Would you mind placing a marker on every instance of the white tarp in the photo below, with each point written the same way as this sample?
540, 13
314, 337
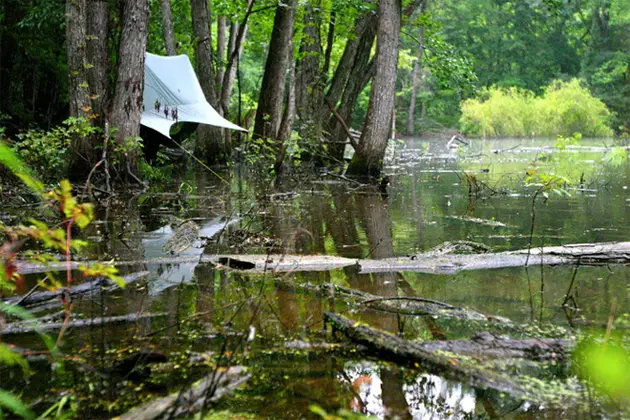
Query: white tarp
171, 82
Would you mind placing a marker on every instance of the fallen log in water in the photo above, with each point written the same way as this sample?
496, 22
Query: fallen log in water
587, 254
414, 354
186, 402
89, 287
42, 324
488, 345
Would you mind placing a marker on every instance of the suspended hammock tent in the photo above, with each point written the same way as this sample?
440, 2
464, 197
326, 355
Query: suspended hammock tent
174, 103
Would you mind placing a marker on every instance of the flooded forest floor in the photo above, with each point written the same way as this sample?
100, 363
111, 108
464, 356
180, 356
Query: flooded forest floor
340, 339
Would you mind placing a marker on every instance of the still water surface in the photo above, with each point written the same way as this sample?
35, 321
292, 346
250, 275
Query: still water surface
427, 202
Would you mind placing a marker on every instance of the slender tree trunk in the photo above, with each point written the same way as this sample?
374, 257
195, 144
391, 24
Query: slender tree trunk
210, 146
269, 113
127, 104
342, 72
415, 79
235, 49
167, 27
368, 159
361, 72
415, 85
284, 132
237, 35
330, 40
221, 49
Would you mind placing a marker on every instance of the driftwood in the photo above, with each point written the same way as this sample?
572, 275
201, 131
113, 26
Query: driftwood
195, 398
42, 324
411, 353
488, 345
586, 254
90, 287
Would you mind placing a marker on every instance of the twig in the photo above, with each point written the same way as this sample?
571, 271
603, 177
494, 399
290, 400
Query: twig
411, 298
343, 124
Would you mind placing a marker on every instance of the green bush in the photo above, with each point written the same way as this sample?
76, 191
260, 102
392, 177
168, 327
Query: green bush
564, 108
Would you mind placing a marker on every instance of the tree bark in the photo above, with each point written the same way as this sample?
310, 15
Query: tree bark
76, 42
309, 89
83, 154
98, 56
269, 112
167, 27
361, 72
284, 132
127, 104
342, 72
210, 146
238, 32
330, 40
368, 159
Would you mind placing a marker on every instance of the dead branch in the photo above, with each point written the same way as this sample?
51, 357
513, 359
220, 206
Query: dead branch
41, 324
192, 399
97, 285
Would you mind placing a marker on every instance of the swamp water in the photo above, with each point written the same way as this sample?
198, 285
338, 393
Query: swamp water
202, 317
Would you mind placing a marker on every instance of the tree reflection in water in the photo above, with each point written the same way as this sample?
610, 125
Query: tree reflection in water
427, 397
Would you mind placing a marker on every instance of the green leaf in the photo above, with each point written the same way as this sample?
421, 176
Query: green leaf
12, 403
9, 159
12, 358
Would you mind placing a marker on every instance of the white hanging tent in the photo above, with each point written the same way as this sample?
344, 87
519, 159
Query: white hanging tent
171, 82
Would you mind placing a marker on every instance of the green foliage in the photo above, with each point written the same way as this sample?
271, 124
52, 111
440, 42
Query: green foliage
47, 151
605, 365
564, 108
499, 112
71, 213
562, 142
14, 405
617, 156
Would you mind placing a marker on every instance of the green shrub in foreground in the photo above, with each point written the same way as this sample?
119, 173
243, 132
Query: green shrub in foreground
564, 108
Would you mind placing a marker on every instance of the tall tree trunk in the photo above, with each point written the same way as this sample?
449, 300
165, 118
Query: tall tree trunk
210, 146
342, 72
167, 27
235, 50
308, 77
361, 72
76, 27
368, 159
330, 40
284, 132
98, 56
127, 104
82, 150
269, 112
